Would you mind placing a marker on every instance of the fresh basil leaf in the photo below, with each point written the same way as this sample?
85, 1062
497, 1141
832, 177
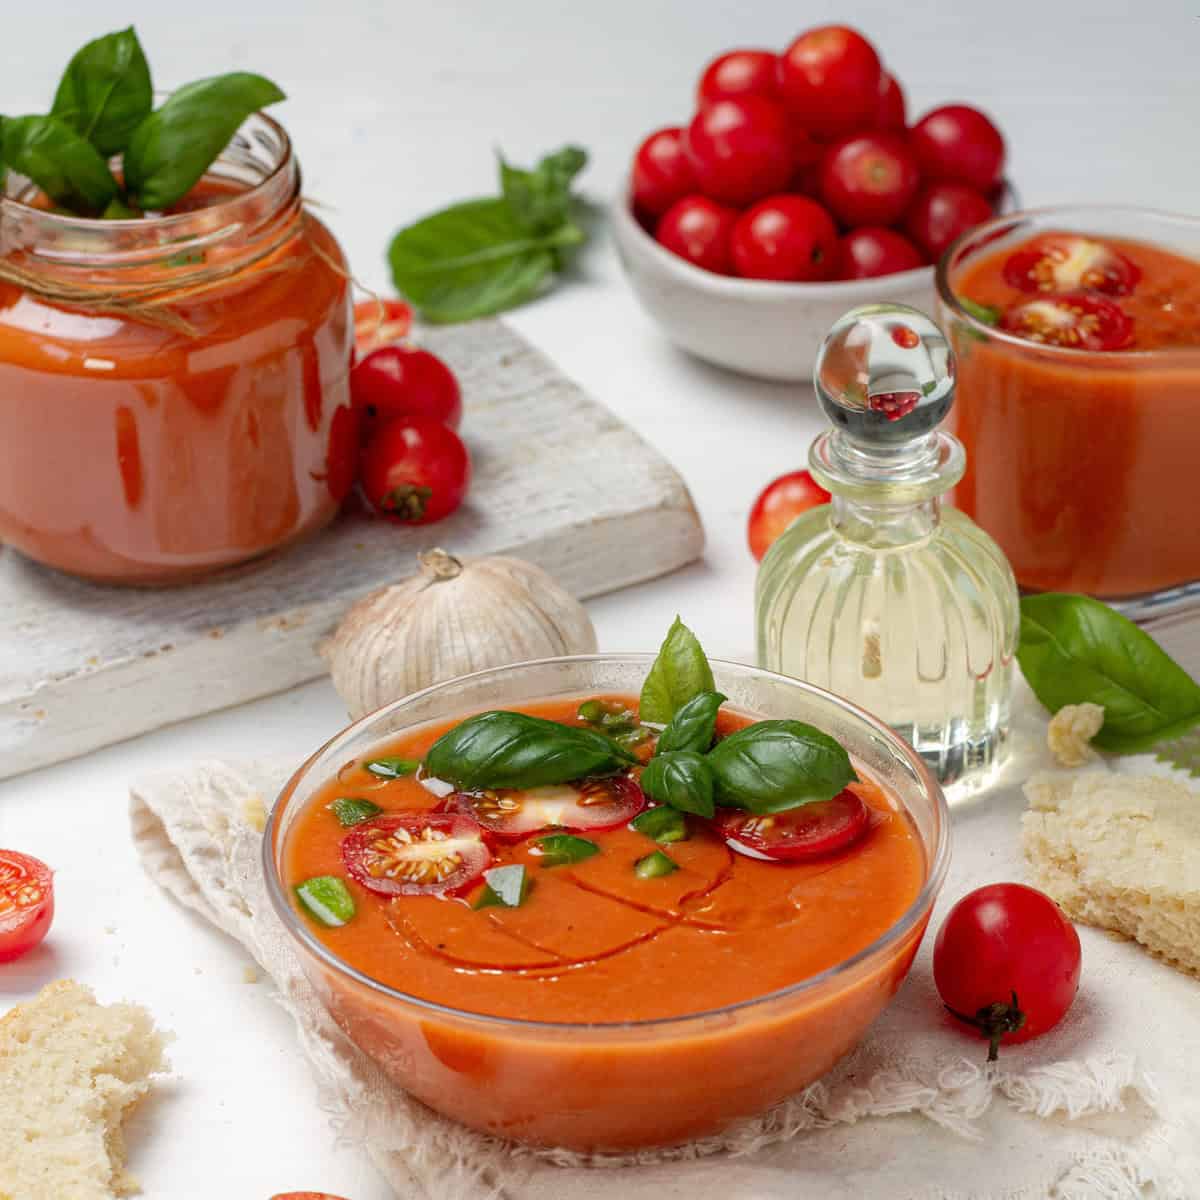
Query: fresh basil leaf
514, 750
985, 314
772, 766
679, 674
560, 849
693, 726
1075, 649
65, 166
505, 886
350, 810
540, 199
663, 824
393, 768
171, 149
106, 92
654, 866
683, 779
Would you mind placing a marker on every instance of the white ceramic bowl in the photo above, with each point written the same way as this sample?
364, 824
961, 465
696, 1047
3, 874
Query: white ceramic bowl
758, 327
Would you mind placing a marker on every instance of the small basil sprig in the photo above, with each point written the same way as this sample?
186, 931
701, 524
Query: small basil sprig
1074, 649
106, 92
67, 167
679, 674
683, 779
693, 726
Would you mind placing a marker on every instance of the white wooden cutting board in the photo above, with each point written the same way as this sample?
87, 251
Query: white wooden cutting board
559, 480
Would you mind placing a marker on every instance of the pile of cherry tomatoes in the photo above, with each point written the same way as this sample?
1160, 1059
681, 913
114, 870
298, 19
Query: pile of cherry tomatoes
800, 166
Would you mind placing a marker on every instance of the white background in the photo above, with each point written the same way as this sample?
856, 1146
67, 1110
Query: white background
396, 109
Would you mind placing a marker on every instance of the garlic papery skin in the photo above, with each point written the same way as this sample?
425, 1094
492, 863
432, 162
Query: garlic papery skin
451, 618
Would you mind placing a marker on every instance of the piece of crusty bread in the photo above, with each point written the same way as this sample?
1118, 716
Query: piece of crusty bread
1122, 852
69, 1071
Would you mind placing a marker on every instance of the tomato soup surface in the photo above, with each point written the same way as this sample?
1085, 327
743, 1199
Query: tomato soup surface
593, 941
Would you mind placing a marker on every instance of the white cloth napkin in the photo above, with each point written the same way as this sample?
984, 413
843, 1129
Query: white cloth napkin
1105, 1106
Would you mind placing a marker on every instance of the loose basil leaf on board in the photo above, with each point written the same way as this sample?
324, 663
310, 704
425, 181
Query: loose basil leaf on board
514, 750
679, 674
67, 167
171, 149
693, 726
1075, 649
474, 259
540, 199
772, 766
663, 824
683, 779
504, 886
106, 92
560, 849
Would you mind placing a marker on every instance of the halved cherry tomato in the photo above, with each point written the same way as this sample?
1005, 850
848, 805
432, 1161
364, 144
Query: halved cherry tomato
588, 804
1078, 320
829, 78
740, 73
415, 472
741, 148
811, 831
416, 853
778, 505
26, 903
404, 381
378, 323
662, 172
1067, 263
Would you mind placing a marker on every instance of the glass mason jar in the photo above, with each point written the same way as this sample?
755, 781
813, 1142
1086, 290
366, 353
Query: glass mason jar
174, 390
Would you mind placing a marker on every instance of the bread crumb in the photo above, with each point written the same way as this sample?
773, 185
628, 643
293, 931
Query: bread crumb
250, 974
254, 812
1071, 731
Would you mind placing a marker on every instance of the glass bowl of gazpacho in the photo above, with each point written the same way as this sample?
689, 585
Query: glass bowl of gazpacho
1077, 335
576, 964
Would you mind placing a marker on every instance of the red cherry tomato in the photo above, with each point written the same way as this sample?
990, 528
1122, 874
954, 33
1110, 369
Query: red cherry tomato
811, 831
892, 112
942, 212
740, 73
741, 148
959, 144
511, 814
1078, 320
699, 229
785, 238
341, 455
829, 79
1006, 960
378, 323
416, 854
26, 903
872, 251
415, 472
869, 178
662, 172
305, 1196
778, 505
1067, 263
402, 381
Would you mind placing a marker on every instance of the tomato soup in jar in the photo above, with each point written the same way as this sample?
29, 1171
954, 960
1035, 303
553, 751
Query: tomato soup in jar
174, 390
1077, 334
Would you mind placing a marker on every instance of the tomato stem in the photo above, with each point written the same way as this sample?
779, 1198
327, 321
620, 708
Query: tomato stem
994, 1021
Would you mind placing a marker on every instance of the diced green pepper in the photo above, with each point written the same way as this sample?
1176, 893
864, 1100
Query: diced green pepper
504, 886
559, 849
393, 768
353, 811
328, 899
654, 865
664, 824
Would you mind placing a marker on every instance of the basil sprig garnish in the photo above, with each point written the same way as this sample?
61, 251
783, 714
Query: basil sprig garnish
67, 167
1074, 649
106, 92
693, 726
683, 779
680, 673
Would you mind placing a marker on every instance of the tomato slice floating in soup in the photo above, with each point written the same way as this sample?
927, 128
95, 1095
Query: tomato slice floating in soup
416, 854
1077, 320
589, 804
810, 831
26, 903
1068, 263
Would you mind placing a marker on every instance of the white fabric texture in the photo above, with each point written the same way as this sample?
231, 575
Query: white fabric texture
1105, 1107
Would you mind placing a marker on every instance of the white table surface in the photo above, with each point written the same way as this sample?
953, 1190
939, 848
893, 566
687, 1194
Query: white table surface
396, 109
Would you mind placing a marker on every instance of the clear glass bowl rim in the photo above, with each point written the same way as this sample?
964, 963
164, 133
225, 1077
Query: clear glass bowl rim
330, 751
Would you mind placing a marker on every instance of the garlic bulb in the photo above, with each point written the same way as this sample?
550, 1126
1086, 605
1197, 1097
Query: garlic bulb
450, 619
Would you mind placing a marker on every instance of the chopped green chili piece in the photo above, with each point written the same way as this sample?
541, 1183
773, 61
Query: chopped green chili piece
591, 711
328, 899
353, 811
985, 314
654, 865
664, 824
505, 886
393, 768
561, 848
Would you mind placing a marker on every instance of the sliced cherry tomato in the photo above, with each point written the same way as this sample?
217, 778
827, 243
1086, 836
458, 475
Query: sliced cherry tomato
872, 251
778, 505
787, 238
378, 323
699, 230
662, 173
403, 381
829, 78
958, 144
1006, 962
416, 854
415, 472
589, 804
811, 831
26, 903
740, 73
943, 211
892, 112
1079, 320
869, 178
741, 149
1067, 263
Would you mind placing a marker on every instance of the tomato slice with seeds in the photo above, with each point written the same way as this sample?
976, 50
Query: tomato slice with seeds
512, 814
379, 323
1068, 263
1077, 320
416, 854
811, 831
26, 903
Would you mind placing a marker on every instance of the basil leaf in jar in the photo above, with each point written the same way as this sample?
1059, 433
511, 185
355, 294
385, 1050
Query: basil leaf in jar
515, 750
693, 726
67, 167
679, 674
683, 779
105, 92
772, 766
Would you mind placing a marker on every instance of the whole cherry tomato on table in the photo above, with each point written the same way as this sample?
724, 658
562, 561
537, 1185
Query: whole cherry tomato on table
1006, 962
379, 323
942, 212
871, 250
778, 505
404, 381
741, 149
959, 144
740, 73
699, 230
829, 78
1077, 320
26, 903
786, 238
415, 472
869, 178
662, 173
